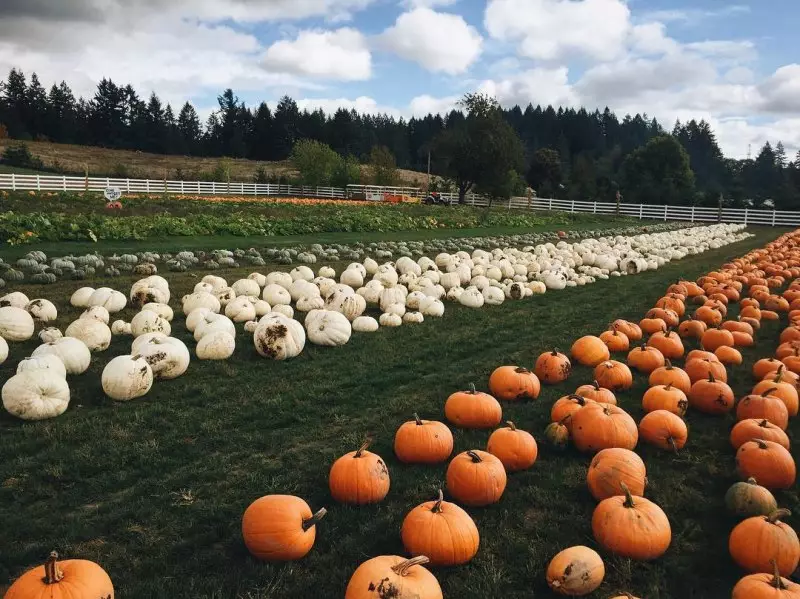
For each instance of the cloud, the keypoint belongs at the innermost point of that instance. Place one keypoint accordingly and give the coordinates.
(535, 86)
(439, 42)
(428, 3)
(423, 105)
(361, 104)
(341, 54)
(781, 91)
(694, 15)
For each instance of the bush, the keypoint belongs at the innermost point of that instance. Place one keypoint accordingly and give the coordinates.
(19, 155)
(119, 171)
(3, 132)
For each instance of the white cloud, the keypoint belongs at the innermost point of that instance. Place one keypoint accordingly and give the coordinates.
(554, 30)
(651, 38)
(535, 86)
(341, 54)
(425, 104)
(694, 15)
(246, 11)
(361, 104)
(428, 3)
(781, 91)
(439, 42)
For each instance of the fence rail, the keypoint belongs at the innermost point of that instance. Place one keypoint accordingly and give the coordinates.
(748, 216)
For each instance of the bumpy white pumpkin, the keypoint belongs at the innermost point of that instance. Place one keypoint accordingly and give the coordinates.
(283, 279)
(212, 323)
(17, 299)
(352, 277)
(241, 309)
(225, 295)
(454, 293)
(260, 279)
(359, 267)
(50, 334)
(36, 395)
(327, 272)
(284, 310)
(413, 300)
(365, 324)
(94, 333)
(246, 287)
(393, 295)
(120, 327)
(471, 298)
(390, 320)
(143, 340)
(276, 295)
(327, 327)
(149, 322)
(110, 299)
(302, 288)
(200, 299)
(216, 345)
(163, 310)
(398, 308)
(413, 317)
(168, 357)
(203, 288)
(73, 352)
(350, 304)
(215, 282)
(16, 324)
(493, 296)
(96, 312)
(279, 337)
(537, 287)
(309, 303)
(46, 362)
(80, 299)
(430, 306)
(387, 275)
(302, 272)
(3, 350)
(42, 310)
(194, 318)
(250, 326)
(261, 307)
(127, 377)
(326, 286)
(145, 292)
(370, 266)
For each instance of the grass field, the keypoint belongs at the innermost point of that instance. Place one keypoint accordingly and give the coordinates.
(154, 489)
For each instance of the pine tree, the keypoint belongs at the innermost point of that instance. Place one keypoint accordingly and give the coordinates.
(189, 130)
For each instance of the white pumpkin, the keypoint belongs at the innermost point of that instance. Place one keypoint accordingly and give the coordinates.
(35, 395)
(537, 287)
(50, 334)
(283, 279)
(327, 327)
(16, 324)
(216, 345)
(413, 317)
(194, 318)
(413, 300)
(246, 287)
(390, 320)
(370, 266)
(42, 310)
(149, 322)
(163, 310)
(327, 272)
(3, 350)
(326, 286)
(302, 288)
(308, 303)
(471, 298)
(279, 337)
(493, 296)
(17, 299)
(215, 282)
(203, 288)
(351, 277)
(111, 299)
(47, 362)
(127, 377)
(430, 306)
(359, 267)
(275, 295)
(449, 280)
(143, 340)
(120, 327)
(393, 295)
(200, 299)
(261, 307)
(225, 295)
(94, 333)
(365, 324)
(387, 275)
(168, 357)
(80, 299)
(405, 265)
(96, 312)
(350, 304)
(260, 279)
(454, 293)
(515, 291)
(371, 292)
(73, 352)
(241, 309)
(212, 323)
(398, 308)
(250, 326)
(143, 292)
(302, 272)
(435, 291)
(283, 309)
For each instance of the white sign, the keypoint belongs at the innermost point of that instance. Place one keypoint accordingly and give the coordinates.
(112, 194)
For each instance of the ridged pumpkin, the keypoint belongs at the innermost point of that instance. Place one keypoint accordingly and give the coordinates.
(786, 391)
(359, 477)
(665, 397)
(748, 498)
(575, 571)
(711, 396)
(758, 541)
(768, 462)
(280, 527)
(670, 375)
(514, 383)
(749, 429)
(565, 407)
(613, 375)
(597, 393)
(615, 340)
(663, 429)
(442, 531)
(72, 579)
(711, 316)
(393, 576)
(423, 442)
(590, 351)
(645, 359)
(764, 366)
(611, 467)
(670, 317)
(763, 407)
(692, 329)
(652, 325)
(781, 375)
(738, 326)
(473, 409)
(668, 343)
(552, 367)
(557, 433)
(766, 586)
(600, 426)
(476, 478)
(630, 329)
(515, 448)
(632, 527)
(699, 369)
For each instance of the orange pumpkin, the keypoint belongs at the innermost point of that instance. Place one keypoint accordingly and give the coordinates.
(613, 466)
(72, 578)
(692, 328)
(652, 325)
(599, 426)
(670, 317)
(711, 396)
(714, 338)
(766, 586)
(781, 375)
(476, 478)
(763, 407)
(700, 369)
(423, 442)
(735, 326)
(596, 393)
(645, 359)
(565, 407)
(768, 462)
(751, 428)
(515, 448)
(728, 355)
(473, 409)
(665, 397)
(764, 366)
(748, 498)
(552, 367)
(711, 316)
(590, 351)
(613, 375)
(359, 477)
(630, 329)
(575, 571)
(700, 354)
(280, 527)
(393, 576)
(632, 527)
(741, 339)
(615, 340)
(668, 343)
(769, 315)
(787, 392)
(759, 541)
(513, 383)
(672, 302)
(670, 375)
(441, 531)
(663, 429)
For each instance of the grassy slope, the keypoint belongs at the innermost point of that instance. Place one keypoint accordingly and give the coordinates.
(154, 489)
(103, 162)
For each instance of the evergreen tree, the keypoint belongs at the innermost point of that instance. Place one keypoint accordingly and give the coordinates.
(189, 130)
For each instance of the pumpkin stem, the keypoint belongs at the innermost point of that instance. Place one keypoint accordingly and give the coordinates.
(779, 376)
(711, 378)
(596, 385)
(437, 507)
(511, 425)
(521, 370)
(52, 574)
(672, 442)
(402, 568)
(555, 351)
(472, 389)
(628, 497)
(417, 420)
(367, 442)
(565, 418)
(751, 481)
(776, 515)
(768, 391)
(314, 519)
(475, 457)
(668, 364)
(764, 423)
(761, 443)
(776, 581)
(668, 386)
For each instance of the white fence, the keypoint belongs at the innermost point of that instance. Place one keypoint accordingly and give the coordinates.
(749, 216)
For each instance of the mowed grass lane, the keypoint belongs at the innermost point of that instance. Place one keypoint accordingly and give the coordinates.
(154, 489)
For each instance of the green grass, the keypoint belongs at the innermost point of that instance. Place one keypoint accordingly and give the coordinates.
(6, 169)
(154, 489)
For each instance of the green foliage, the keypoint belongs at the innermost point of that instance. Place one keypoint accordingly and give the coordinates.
(659, 173)
(315, 161)
(120, 171)
(544, 174)
(347, 171)
(19, 154)
(261, 176)
(382, 166)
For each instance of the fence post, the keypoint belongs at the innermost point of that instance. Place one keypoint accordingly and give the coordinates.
(13, 182)
(641, 210)
(594, 208)
(665, 211)
(64, 182)
(773, 217)
(572, 206)
(745, 216)
(147, 184)
(549, 203)
(692, 213)
(182, 192)
(127, 185)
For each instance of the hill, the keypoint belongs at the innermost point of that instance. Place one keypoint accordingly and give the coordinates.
(104, 162)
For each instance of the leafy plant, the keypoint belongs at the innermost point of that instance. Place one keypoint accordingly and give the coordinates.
(19, 154)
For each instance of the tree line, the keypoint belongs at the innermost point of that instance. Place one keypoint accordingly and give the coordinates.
(479, 146)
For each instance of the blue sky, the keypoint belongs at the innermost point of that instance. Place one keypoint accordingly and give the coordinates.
(734, 64)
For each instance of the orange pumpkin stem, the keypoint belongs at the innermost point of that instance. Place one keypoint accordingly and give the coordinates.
(472, 389)
(521, 370)
(711, 378)
(764, 423)
(511, 425)
(761, 443)
(668, 364)
(417, 420)
(577, 398)
(402, 568)
(779, 375)
(475, 457)
(52, 574)
(776, 515)
(751, 481)
(596, 385)
(628, 497)
(768, 391)
(776, 581)
(367, 442)
(437, 507)
(314, 519)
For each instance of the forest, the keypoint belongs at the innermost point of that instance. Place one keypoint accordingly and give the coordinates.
(581, 154)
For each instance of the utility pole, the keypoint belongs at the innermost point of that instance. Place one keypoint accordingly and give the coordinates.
(429, 171)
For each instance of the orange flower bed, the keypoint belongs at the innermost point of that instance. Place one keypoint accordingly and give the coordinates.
(259, 199)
